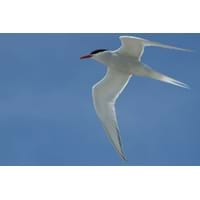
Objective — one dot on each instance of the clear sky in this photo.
(46, 111)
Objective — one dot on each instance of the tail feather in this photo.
(161, 77)
(174, 82)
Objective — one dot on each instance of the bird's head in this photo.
(96, 54)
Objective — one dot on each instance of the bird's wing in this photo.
(105, 94)
(134, 46)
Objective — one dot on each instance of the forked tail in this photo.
(161, 77)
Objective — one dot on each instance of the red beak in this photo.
(86, 56)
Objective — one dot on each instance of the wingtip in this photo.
(123, 157)
(187, 50)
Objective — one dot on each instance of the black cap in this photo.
(98, 51)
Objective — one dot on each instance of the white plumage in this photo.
(122, 64)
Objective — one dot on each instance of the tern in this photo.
(122, 64)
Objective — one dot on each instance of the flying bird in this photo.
(122, 64)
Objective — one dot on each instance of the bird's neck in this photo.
(104, 57)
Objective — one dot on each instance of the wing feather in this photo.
(134, 46)
(105, 94)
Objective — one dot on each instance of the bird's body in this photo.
(122, 64)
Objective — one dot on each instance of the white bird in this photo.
(122, 64)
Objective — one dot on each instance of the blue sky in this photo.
(46, 111)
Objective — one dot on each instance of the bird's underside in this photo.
(106, 91)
